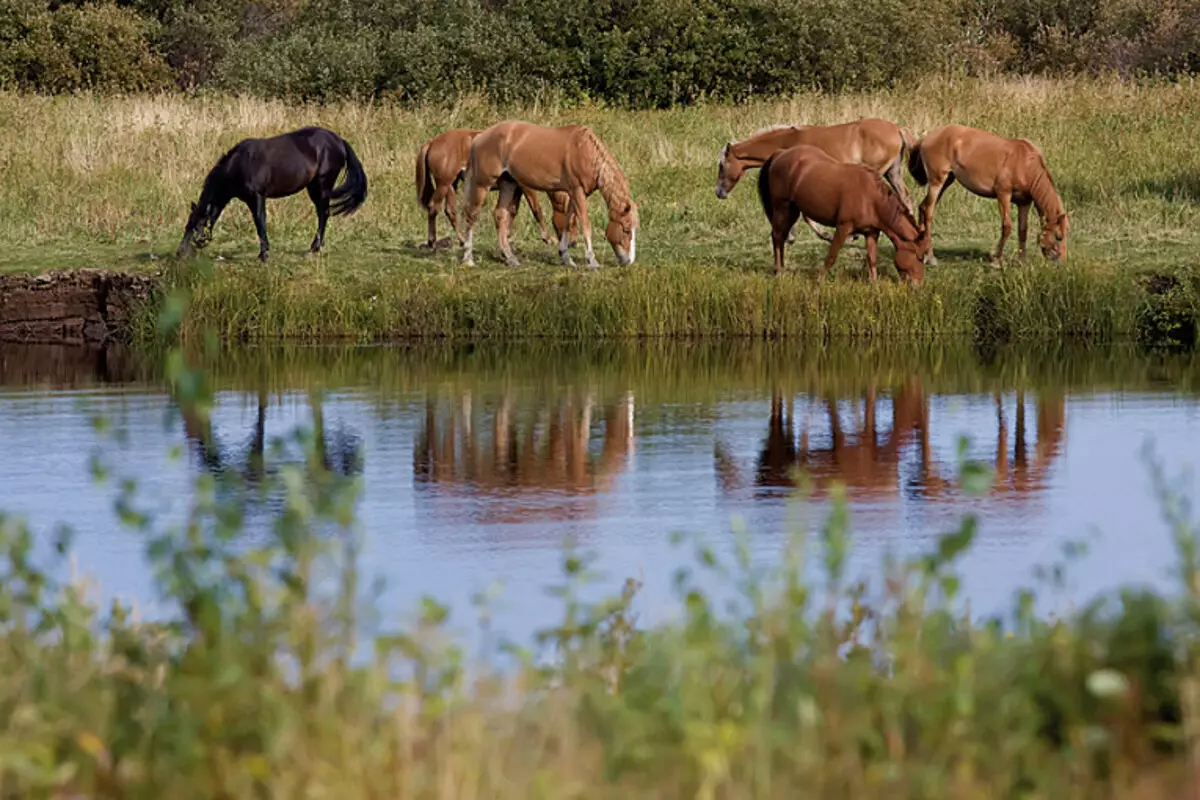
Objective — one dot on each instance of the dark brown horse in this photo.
(257, 169)
(852, 198)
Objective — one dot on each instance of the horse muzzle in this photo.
(722, 192)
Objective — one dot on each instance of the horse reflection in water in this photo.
(531, 462)
(874, 464)
(339, 452)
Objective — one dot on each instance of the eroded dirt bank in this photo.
(76, 307)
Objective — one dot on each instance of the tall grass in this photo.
(90, 181)
(272, 676)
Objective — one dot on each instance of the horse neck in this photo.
(1045, 196)
(899, 226)
(758, 148)
(610, 181)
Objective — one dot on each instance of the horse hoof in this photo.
(512, 262)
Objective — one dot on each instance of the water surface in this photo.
(479, 461)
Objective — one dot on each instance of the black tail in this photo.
(916, 165)
(764, 187)
(347, 198)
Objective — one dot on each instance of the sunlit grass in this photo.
(107, 182)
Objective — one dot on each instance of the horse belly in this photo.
(974, 182)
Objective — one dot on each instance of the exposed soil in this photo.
(75, 307)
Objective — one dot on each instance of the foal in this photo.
(851, 198)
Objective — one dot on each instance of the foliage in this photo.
(641, 54)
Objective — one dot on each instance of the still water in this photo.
(478, 462)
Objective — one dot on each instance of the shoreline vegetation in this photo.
(273, 675)
(106, 182)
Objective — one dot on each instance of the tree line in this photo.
(629, 53)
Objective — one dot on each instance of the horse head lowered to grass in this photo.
(1009, 170)
(805, 181)
(256, 169)
(515, 156)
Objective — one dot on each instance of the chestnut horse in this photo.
(876, 143)
(441, 163)
(851, 198)
(1010, 170)
(519, 156)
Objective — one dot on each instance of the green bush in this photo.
(97, 46)
(643, 54)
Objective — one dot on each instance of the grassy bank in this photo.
(107, 182)
(275, 677)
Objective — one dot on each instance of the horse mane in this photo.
(895, 206)
(1042, 190)
(218, 171)
(610, 180)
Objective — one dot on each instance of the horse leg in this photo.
(475, 195)
(563, 223)
(1004, 199)
(451, 211)
(319, 195)
(873, 254)
(432, 210)
(937, 185)
(510, 197)
(535, 208)
(258, 208)
(782, 222)
(839, 238)
(1022, 227)
(579, 202)
(825, 237)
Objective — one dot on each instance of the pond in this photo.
(479, 461)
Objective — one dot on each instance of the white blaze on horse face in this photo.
(632, 245)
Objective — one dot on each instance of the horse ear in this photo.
(193, 208)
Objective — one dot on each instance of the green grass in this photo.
(107, 182)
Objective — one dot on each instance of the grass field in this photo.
(87, 181)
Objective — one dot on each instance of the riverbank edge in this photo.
(1021, 304)
(84, 306)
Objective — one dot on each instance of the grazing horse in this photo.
(520, 156)
(256, 169)
(1010, 170)
(851, 198)
(876, 143)
(440, 167)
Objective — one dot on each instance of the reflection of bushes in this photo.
(644, 54)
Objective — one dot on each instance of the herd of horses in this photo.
(848, 177)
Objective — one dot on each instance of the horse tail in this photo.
(916, 164)
(347, 198)
(425, 188)
(764, 187)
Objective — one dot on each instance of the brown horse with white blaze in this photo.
(1013, 171)
(441, 163)
(516, 156)
(851, 198)
(876, 143)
